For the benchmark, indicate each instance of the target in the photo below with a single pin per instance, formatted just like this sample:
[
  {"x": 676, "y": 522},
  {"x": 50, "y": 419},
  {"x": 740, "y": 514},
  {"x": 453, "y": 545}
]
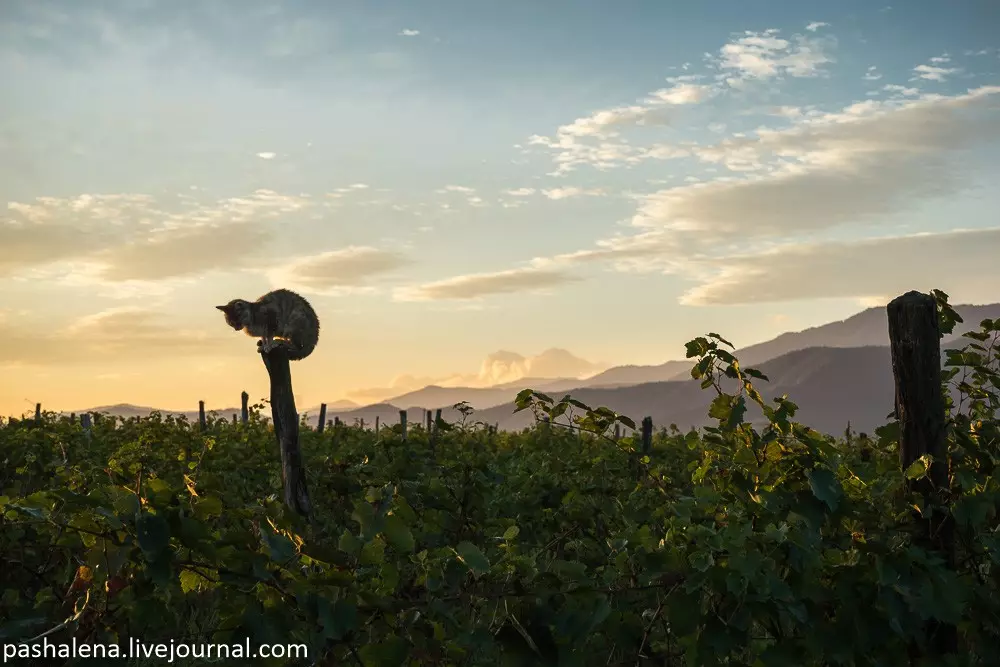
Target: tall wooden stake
[
  {"x": 286, "y": 429},
  {"x": 915, "y": 343}
]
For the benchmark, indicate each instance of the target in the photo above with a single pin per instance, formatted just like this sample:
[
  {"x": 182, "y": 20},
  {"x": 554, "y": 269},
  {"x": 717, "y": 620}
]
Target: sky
[{"x": 474, "y": 192}]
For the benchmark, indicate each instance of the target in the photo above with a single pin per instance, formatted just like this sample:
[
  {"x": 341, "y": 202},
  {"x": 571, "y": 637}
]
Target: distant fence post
[
  {"x": 427, "y": 415},
  {"x": 286, "y": 429},
  {"x": 322, "y": 417},
  {"x": 201, "y": 416},
  {"x": 245, "y": 407},
  {"x": 915, "y": 345},
  {"x": 376, "y": 423},
  {"x": 402, "y": 423},
  {"x": 38, "y": 414},
  {"x": 85, "y": 423},
  {"x": 647, "y": 435}
]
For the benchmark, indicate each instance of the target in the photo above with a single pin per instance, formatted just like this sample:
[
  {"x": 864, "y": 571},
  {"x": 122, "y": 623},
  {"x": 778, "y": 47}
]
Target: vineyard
[{"x": 740, "y": 544}]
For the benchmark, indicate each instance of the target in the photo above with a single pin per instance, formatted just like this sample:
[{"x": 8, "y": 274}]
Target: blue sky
[{"x": 445, "y": 180}]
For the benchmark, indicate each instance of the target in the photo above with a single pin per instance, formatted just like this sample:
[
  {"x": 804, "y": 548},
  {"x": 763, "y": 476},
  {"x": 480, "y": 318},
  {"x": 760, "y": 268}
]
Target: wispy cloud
[
  {"x": 764, "y": 55},
  {"x": 569, "y": 192},
  {"x": 856, "y": 269},
  {"x": 408, "y": 32},
  {"x": 816, "y": 25},
  {"x": 935, "y": 71},
  {"x": 334, "y": 270},
  {"x": 266, "y": 156},
  {"x": 473, "y": 286}
]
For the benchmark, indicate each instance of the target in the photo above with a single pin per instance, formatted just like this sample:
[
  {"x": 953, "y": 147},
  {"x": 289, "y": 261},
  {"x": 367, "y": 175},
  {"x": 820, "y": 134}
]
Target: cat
[{"x": 280, "y": 318}]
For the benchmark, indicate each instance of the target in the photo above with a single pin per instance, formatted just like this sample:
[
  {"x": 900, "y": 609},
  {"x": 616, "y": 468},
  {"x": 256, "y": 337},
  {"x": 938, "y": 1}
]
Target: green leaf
[
  {"x": 398, "y": 535},
  {"x": 826, "y": 487},
  {"x": 206, "y": 507},
  {"x": 919, "y": 468},
  {"x": 343, "y": 619},
  {"x": 473, "y": 558},
  {"x": 701, "y": 560},
  {"x": 391, "y": 652},
  {"x": 511, "y": 533},
  {"x": 153, "y": 533},
  {"x": 279, "y": 548}
]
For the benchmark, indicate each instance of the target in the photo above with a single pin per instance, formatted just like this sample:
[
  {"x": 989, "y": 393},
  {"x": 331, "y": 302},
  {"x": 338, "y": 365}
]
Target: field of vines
[{"x": 758, "y": 544}]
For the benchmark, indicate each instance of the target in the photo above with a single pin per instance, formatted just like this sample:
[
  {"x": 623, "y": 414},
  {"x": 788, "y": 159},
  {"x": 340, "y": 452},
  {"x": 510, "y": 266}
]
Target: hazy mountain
[
  {"x": 869, "y": 327},
  {"x": 831, "y": 386},
  {"x": 632, "y": 374}
]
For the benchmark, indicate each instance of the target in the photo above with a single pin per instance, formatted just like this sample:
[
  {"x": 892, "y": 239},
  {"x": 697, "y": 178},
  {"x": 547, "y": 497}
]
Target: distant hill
[{"x": 869, "y": 327}]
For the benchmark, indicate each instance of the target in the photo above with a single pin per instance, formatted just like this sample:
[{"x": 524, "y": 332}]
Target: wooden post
[
  {"x": 72, "y": 418},
  {"x": 427, "y": 414},
  {"x": 402, "y": 423},
  {"x": 376, "y": 424},
  {"x": 322, "y": 417},
  {"x": 201, "y": 416},
  {"x": 245, "y": 409},
  {"x": 38, "y": 414},
  {"x": 85, "y": 423},
  {"x": 362, "y": 423},
  {"x": 618, "y": 431},
  {"x": 647, "y": 435},
  {"x": 234, "y": 419},
  {"x": 286, "y": 429},
  {"x": 915, "y": 345}
]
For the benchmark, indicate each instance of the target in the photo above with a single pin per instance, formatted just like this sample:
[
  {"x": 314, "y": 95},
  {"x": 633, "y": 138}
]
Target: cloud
[
  {"x": 474, "y": 286},
  {"x": 126, "y": 334},
  {"x": 816, "y": 25},
  {"x": 266, "y": 156},
  {"x": 594, "y": 140},
  {"x": 934, "y": 71},
  {"x": 347, "y": 267},
  {"x": 136, "y": 237},
  {"x": 869, "y": 159},
  {"x": 456, "y": 188},
  {"x": 828, "y": 170},
  {"x": 521, "y": 192},
  {"x": 763, "y": 55},
  {"x": 860, "y": 269},
  {"x": 188, "y": 252},
  {"x": 408, "y": 32},
  {"x": 872, "y": 74},
  {"x": 569, "y": 192}
]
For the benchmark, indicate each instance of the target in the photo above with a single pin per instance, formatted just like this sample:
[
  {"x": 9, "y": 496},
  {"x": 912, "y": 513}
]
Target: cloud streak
[{"x": 529, "y": 279}]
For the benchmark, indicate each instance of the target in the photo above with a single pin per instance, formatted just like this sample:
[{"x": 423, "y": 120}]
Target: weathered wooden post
[
  {"x": 245, "y": 407},
  {"x": 647, "y": 435},
  {"x": 85, "y": 424},
  {"x": 362, "y": 423},
  {"x": 286, "y": 429},
  {"x": 322, "y": 417},
  {"x": 402, "y": 423},
  {"x": 38, "y": 414},
  {"x": 201, "y": 416},
  {"x": 376, "y": 424},
  {"x": 915, "y": 345},
  {"x": 427, "y": 415}
]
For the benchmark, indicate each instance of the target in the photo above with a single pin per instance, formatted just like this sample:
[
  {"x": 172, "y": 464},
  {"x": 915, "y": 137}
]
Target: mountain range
[{"x": 836, "y": 373}]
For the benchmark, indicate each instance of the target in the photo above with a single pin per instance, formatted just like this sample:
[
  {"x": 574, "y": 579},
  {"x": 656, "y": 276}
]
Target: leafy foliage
[{"x": 757, "y": 541}]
